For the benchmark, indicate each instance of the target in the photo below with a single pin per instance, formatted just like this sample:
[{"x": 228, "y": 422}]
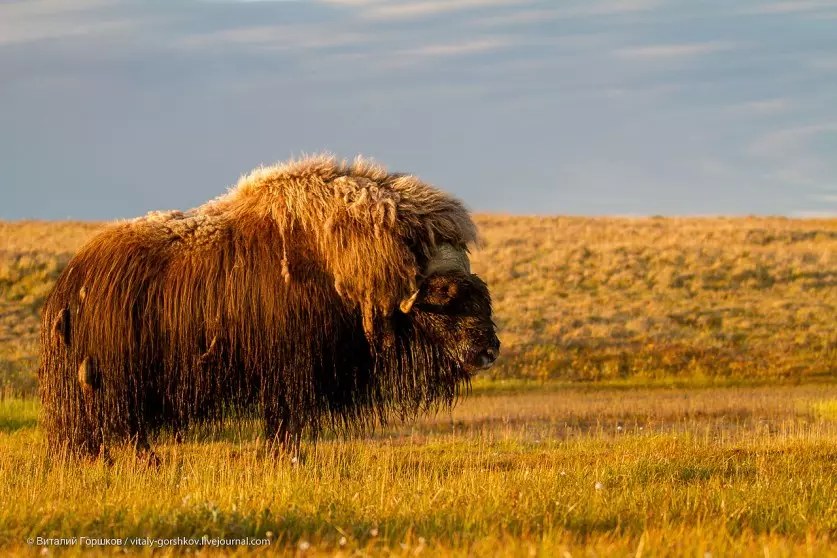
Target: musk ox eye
[{"x": 440, "y": 291}]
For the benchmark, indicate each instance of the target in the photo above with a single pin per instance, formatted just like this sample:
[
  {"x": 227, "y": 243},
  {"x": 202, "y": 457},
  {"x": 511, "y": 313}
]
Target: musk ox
[{"x": 314, "y": 293}]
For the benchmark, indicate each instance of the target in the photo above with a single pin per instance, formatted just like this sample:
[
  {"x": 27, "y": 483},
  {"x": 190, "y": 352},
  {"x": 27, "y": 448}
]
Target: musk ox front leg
[
  {"x": 137, "y": 437},
  {"x": 282, "y": 433},
  {"x": 96, "y": 395},
  {"x": 144, "y": 451}
]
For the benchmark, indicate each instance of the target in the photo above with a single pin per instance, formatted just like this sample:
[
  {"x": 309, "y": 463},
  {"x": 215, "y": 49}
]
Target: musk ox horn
[
  {"x": 445, "y": 258},
  {"x": 407, "y": 304}
]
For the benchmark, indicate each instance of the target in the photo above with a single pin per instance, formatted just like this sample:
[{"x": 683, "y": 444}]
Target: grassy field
[
  {"x": 569, "y": 472},
  {"x": 666, "y": 388},
  {"x": 577, "y": 299}
]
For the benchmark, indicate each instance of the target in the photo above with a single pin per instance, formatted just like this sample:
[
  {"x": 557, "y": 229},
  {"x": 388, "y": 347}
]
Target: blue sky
[{"x": 110, "y": 109}]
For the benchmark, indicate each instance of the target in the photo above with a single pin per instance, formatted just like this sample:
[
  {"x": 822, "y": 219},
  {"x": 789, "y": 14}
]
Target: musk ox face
[{"x": 453, "y": 308}]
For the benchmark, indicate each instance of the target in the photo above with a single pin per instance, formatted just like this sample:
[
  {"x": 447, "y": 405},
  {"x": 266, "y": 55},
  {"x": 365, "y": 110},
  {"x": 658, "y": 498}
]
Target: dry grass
[
  {"x": 593, "y": 299},
  {"x": 734, "y": 471},
  {"x": 588, "y": 299}
]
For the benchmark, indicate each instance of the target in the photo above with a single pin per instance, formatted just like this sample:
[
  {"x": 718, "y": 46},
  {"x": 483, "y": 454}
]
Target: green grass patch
[
  {"x": 826, "y": 409},
  {"x": 18, "y": 414}
]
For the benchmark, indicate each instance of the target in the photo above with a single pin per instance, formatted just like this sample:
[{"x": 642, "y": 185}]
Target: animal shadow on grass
[{"x": 202, "y": 436}]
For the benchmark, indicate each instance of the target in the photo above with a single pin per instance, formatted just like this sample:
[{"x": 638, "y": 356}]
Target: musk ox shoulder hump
[
  {"x": 373, "y": 229},
  {"x": 322, "y": 192}
]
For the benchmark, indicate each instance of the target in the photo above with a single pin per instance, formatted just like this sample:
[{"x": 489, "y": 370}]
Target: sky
[{"x": 110, "y": 109}]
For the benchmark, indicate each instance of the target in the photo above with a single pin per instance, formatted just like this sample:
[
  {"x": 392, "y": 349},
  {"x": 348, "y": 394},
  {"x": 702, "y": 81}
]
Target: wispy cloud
[
  {"x": 410, "y": 10},
  {"x": 351, "y": 3},
  {"x": 279, "y": 37},
  {"x": 431, "y": 54},
  {"x": 587, "y": 9},
  {"x": 796, "y": 6},
  {"x": 48, "y": 8},
  {"x": 467, "y": 47},
  {"x": 520, "y": 17},
  {"x": 760, "y": 107},
  {"x": 672, "y": 51},
  {"x": 782, "y": 141},
  {"x": 18, "y": 33},
  {"x": 606, "y": 7},
  {"x": 36, "y": 20},
  {"x": 676, "y": 98}
]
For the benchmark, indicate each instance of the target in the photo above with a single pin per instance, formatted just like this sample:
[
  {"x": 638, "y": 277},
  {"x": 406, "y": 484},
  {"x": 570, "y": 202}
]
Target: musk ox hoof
[
  {"x": 144, "y": 453},
  {"x": 277, "y": 450},
  {"x": 149, "y": 458},
  {"x": 296, "y": 460},
  {"x": 103, "y": 455}
]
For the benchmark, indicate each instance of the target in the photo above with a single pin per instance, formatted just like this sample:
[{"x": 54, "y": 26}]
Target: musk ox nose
[{"x": 488, "y": 356}]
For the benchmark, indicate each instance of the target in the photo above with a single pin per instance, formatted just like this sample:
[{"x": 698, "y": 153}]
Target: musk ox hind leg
[{"x": 71, "y": 406}]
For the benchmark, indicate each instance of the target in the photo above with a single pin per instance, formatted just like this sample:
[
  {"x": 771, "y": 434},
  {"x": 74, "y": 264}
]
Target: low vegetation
[
  {"x": 593, "y": 299},
  {"x": 597, "y": 472},
  {"x": 577, "y": 299},
  {"x": 602, "y": 431}
]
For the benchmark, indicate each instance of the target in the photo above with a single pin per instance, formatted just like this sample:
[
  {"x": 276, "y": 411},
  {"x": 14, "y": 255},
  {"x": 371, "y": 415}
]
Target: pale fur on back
[{"x": 372, "y": 230}]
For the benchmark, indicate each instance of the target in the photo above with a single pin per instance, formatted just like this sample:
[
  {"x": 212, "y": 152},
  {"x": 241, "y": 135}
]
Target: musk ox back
[{"x": 314, "y": 293}]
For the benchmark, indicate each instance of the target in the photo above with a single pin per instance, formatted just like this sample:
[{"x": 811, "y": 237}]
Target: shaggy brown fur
[{"x": 280, "y": 295}]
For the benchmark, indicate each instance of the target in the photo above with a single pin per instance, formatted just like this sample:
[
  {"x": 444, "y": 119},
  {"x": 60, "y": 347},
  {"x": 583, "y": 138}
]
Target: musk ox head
[{"x": 452, "y": 307}]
